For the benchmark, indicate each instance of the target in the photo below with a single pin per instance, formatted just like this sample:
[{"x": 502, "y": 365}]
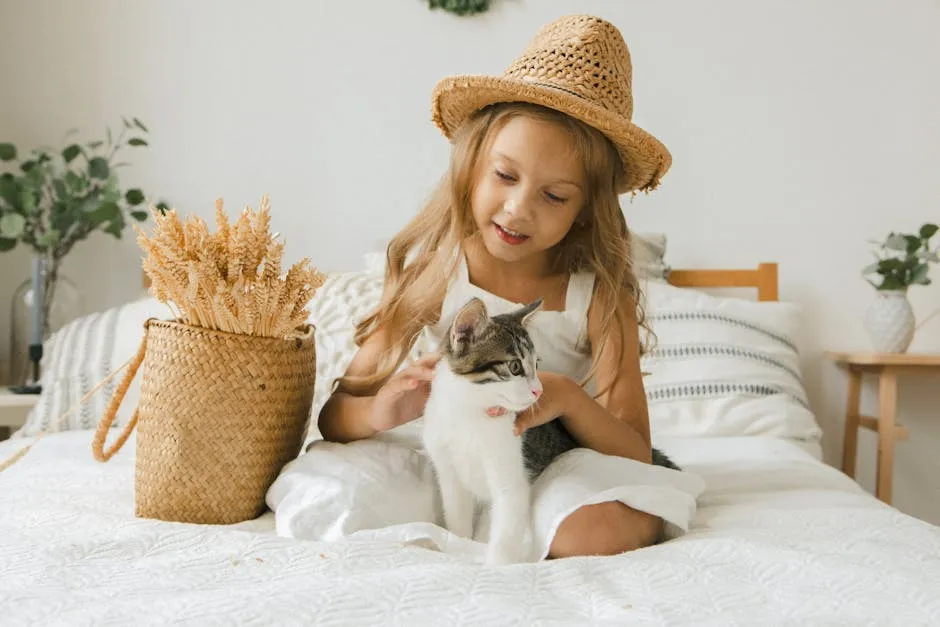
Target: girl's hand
[
  {"x": 557, "y": 390},
  {"x": 403, "y": 397}
]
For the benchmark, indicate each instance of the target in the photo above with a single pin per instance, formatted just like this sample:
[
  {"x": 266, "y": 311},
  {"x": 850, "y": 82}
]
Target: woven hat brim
[{"x": 646, "y": 160}]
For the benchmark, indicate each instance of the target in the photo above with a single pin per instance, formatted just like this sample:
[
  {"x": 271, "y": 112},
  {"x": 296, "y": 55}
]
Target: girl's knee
[{"x": 605, "y": 529}]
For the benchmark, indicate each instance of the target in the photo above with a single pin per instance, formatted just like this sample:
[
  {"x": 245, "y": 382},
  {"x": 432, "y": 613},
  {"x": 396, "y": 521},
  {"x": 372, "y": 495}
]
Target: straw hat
[{"x": 579, "y": 65}]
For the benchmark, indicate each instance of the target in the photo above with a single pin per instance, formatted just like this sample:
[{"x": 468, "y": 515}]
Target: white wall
[{"x": 823, "y": 117}]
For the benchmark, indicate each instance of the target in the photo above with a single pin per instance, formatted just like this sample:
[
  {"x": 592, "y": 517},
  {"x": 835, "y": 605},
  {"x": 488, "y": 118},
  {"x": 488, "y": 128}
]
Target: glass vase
[{"x": 65, "y": 303}]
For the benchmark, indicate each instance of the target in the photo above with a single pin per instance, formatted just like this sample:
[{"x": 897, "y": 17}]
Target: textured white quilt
[{"x": 779, "y": 539}]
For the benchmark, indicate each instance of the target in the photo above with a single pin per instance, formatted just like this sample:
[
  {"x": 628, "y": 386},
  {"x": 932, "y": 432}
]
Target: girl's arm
[
  {"x": 617, "y": 423},
  {"x": 345, "y": 417},
  {"x": 401, "y": 398}
]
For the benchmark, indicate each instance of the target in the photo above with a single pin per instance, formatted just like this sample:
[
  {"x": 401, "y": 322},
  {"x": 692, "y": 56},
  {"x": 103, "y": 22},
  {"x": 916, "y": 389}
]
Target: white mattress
[{"x": 779, "y": 538}]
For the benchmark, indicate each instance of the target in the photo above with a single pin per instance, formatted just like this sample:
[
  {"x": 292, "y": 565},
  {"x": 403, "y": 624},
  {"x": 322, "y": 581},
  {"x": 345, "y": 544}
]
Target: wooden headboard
[{"x": 764, "y": 278}]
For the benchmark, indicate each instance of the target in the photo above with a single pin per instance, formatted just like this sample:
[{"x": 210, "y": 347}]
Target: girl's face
[{"x": 529, "y": 189}]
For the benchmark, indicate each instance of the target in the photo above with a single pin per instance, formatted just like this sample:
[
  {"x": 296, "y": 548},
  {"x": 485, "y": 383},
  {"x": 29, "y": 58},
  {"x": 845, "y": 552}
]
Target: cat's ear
[
  {"x": 468, "y": 322},
  {"x": 526, "y": 312}
]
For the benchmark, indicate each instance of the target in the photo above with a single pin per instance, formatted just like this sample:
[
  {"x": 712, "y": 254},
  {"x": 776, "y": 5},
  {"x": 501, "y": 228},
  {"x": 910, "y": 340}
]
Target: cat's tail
[{"x": 661, "y": 459}]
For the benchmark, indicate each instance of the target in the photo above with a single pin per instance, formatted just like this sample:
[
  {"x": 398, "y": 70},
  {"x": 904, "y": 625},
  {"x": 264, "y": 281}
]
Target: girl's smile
[{"x": 513, "y": 238}]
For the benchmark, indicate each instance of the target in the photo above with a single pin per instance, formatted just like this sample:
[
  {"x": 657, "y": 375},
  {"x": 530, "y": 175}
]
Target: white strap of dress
[{"x": 578, "y": 298}]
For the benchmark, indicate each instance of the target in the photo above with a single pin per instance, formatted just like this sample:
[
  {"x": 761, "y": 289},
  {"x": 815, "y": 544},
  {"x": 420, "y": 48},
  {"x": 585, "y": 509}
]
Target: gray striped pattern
[
  {"x": 707, "y": 316},
  {"x": 712, "y": 389},
  {"x": 80, "y": 355},
  {"x": 692, "y": 351}
]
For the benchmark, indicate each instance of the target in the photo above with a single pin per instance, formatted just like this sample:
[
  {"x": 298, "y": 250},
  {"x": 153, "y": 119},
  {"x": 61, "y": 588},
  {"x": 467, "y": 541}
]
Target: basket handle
[{"x": 101, "y": 434}]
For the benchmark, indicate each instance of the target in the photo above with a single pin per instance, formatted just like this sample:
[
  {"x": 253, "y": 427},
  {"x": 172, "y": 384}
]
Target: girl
[{"x": 529, "y": 208}]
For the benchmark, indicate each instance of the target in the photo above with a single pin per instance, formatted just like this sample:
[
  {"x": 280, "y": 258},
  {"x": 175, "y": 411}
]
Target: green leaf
[
  {"x": 28, "y": 165},
  {"x": 98, "y": 168},
  {"x": 95, "y": 144},
  {"x": 27, "y": 201},
  {"x": 126, "y": 122},
  {"x": 61, "y": 189},
  {"x": 71, "y": 152},
  {"x": 928, "y": 230},
  {"x": 913, "y": 243},
  {"x": 50, "y": 238},
  {"x": 9, "y": 189},
  {"x": 136, "y": 141},
  {"x": 930, "y": 256},
  {"x": 7, "y": 244},
  {"x": 12, "y": 225},
  {"x": 116, "y": 227},
  {"x": 134, "y": 197},
  {"x": 140, "y": 216},
  {"x": 891, "y": 282},
  {"x": 140, "y": 125},
  {"x": 104, "y": 212},
  {"x": 896, "y": 242},
  {"x": 73, "y": 181},
  {"x": 7, "y": 152},
  {"x": 110, "y": 191},
  {"x": 920, "y": 274},
  {"x": 870, "y": 268},
  {"x": 162, "y": 207},
  {"x": 892, "y": 264}
]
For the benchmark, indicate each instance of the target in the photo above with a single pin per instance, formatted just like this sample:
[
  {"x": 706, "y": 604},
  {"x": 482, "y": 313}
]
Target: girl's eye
[
  {"x": 555, "y": 199},
  {"x": 515, "y": 367},
  {"x": 504, "y": 176}
]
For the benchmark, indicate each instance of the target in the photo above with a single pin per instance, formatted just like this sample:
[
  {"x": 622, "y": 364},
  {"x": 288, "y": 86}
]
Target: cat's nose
[{"x": 536, "y": 393}]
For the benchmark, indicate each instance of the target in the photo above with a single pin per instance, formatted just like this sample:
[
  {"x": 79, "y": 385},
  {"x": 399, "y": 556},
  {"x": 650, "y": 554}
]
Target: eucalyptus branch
[
  {"x": 903, "y": 259},
  {"x": 51, "y": 200}
]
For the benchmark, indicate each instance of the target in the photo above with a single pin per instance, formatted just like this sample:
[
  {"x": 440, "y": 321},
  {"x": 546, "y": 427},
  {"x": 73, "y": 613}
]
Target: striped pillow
[
  {"x": 724, "y": 367},
  {"x": 79, "y": 356}
]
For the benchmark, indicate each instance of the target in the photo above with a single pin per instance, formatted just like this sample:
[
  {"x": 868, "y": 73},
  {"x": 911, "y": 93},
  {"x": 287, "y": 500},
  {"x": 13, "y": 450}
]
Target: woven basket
[{"x": 219, "y": 415}]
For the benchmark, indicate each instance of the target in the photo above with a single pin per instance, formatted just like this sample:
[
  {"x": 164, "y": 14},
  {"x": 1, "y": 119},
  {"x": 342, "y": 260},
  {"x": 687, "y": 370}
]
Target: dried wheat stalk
[{"x": 229, "y": 280}]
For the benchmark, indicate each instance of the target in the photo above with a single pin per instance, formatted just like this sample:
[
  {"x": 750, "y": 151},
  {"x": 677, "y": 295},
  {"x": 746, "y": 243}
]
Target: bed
[{"x": 779, "y": 537}]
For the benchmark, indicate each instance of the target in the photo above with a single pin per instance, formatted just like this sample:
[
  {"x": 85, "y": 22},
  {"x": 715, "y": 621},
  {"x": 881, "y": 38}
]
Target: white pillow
[
  {"x": 649, "y": 256},
  {"x": 79, "y": 356},
  {"x": 339, "y": 304},
  {"x": 724, "y": 367}
]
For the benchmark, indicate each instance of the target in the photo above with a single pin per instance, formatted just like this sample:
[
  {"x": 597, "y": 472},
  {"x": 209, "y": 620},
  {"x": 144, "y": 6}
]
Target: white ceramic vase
[{"x": 889, "y": 321}]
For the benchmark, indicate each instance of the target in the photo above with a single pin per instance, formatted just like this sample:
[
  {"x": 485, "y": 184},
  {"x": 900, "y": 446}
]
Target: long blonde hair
[{"x": 421, "y": 259}]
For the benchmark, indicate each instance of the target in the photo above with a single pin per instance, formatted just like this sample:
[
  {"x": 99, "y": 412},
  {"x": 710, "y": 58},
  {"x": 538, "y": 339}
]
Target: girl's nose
[{"x": 518, "y": 206}]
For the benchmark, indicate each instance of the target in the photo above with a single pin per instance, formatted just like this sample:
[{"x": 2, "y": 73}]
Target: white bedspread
[{"x": 778, "y": 539}]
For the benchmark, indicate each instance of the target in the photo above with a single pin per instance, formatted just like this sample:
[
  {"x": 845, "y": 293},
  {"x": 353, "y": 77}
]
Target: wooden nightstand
[
  {"x": 13, "y": 410},
  {"x": 887, "y": 367}
]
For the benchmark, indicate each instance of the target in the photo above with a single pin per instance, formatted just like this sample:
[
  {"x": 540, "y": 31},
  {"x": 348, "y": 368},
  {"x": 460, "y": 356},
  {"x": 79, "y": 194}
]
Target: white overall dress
[{"x": 384, "y": 488}]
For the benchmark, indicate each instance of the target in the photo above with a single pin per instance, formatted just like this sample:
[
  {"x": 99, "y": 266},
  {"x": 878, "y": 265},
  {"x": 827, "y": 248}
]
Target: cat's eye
[{"x": 515, "y": 367}]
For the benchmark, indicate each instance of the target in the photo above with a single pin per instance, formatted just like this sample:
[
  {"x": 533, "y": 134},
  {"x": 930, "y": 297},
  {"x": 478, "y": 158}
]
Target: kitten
[
  {"x": 485, "y": 362},
  {"x": 491, "y": 362}
]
